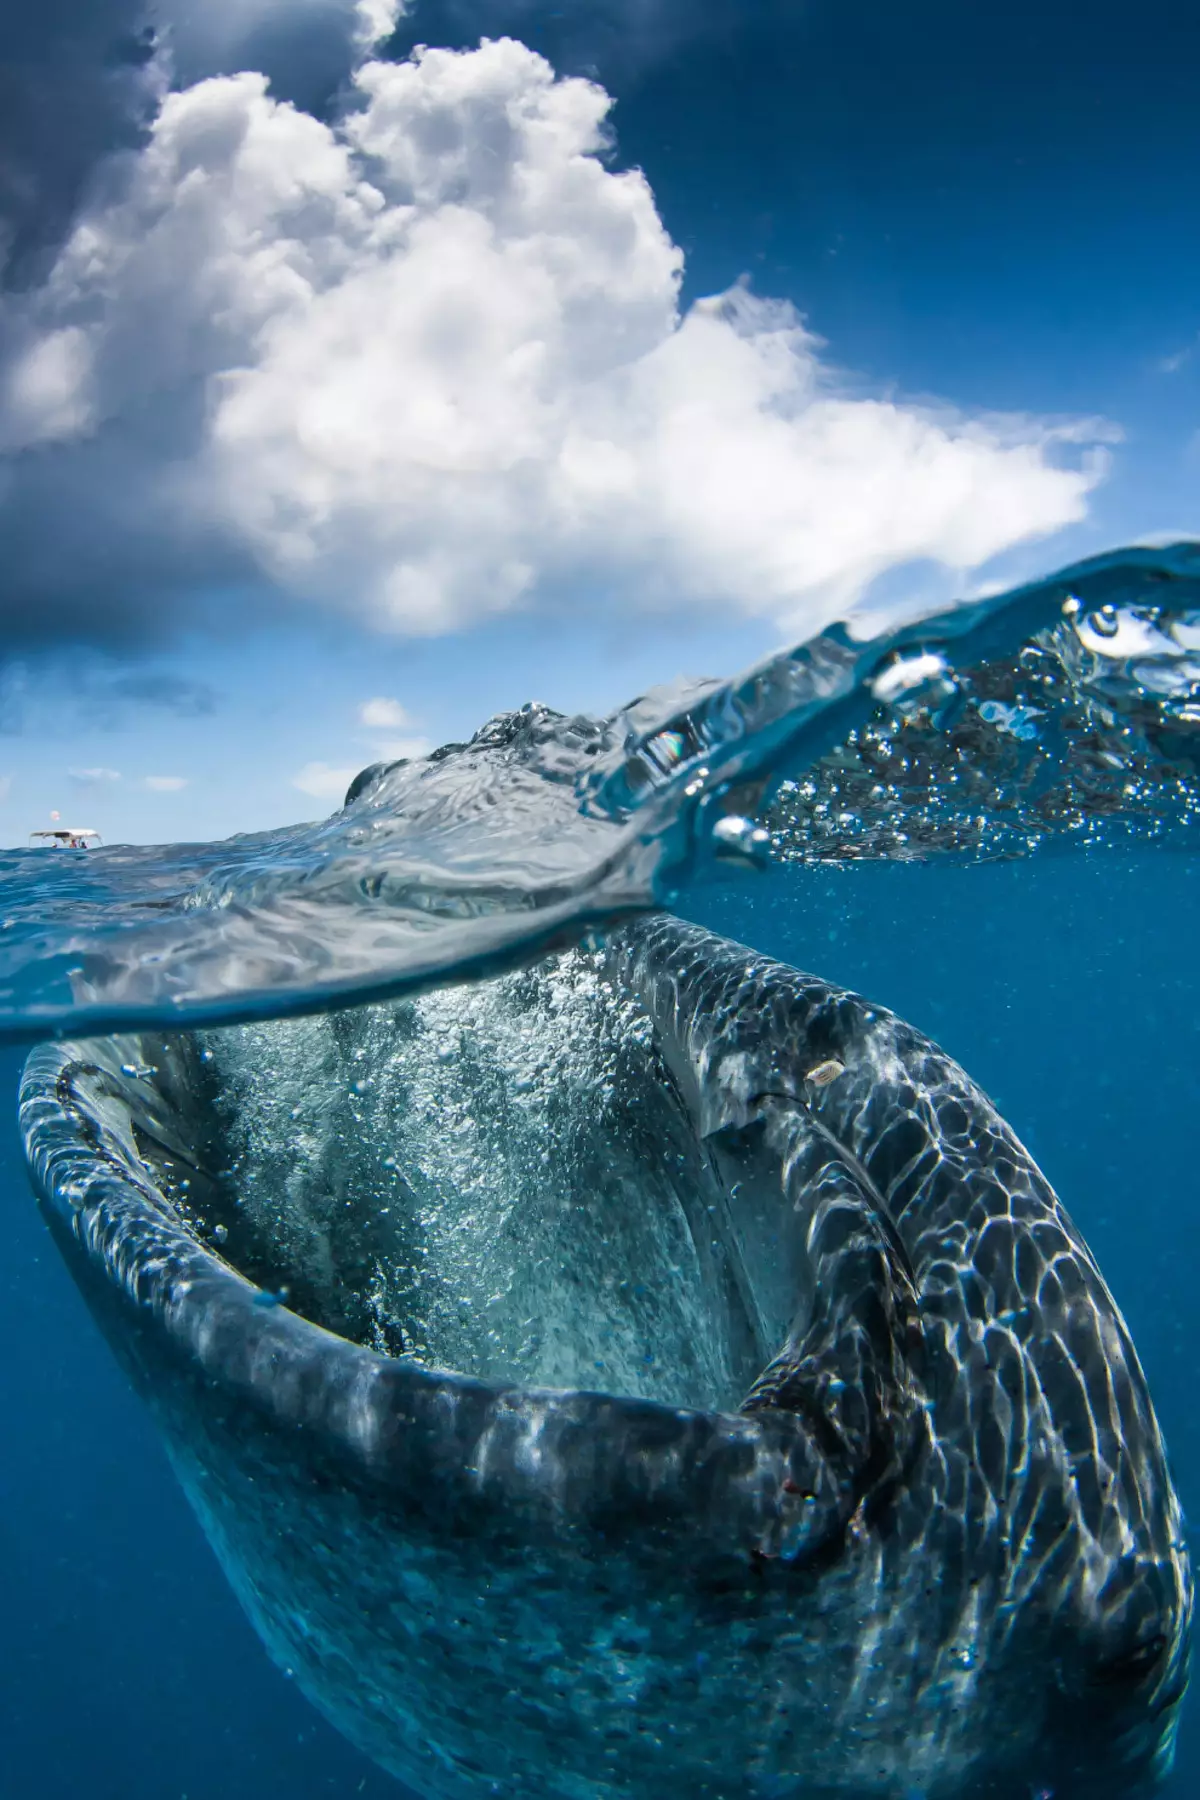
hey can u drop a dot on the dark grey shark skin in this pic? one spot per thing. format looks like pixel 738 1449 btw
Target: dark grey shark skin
pixel 937 1551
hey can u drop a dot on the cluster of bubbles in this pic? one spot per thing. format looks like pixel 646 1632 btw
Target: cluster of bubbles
pixel 1089 734
pixel 481 1178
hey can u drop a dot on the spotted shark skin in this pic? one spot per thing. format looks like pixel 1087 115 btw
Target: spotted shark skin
pixel 937 1550
pixel 1042 1480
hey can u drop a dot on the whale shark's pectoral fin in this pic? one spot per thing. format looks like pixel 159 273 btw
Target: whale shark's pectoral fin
pixel 851 1363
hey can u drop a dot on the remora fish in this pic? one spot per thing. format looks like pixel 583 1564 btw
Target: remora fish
pixel 936 1550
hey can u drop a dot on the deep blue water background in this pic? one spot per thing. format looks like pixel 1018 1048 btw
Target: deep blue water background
pixel 1067 987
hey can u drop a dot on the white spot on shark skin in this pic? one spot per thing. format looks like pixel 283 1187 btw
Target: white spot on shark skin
pixel 514 1433
pixel 528 1452
pixel 728 1089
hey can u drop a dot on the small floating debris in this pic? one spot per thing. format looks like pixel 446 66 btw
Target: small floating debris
pixel 1017 721
pixel 825 1072
pixel 908 673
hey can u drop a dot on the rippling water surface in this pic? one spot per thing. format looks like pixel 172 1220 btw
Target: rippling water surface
pixel 986 821
pixel 1065 714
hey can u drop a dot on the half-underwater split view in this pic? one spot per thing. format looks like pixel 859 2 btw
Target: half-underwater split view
pixel 600 794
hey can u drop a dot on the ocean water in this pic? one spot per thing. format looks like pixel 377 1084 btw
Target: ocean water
pixel 989 829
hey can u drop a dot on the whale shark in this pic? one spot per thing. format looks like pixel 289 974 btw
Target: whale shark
pixel 654 1371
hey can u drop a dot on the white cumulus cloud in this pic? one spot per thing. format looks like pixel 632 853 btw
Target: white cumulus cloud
pixel 164 784
pixel 322 782
pixel 375 20
pixel 94 777
pixel 382 714
pixel 387 715
pixel 427 364
pixel 292 36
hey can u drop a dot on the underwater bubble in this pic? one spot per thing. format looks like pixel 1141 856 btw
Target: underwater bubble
pixel 741 840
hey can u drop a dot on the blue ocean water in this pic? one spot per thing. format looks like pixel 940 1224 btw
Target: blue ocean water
pixel 1063 979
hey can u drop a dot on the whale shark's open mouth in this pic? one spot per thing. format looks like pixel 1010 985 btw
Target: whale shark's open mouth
pixel 500 1180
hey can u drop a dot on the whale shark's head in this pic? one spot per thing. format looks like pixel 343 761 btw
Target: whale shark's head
pixel 586 1400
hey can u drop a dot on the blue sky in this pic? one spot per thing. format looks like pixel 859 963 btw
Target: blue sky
pixel 321 439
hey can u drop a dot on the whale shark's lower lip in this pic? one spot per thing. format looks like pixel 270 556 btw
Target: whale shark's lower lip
pixel 448 1311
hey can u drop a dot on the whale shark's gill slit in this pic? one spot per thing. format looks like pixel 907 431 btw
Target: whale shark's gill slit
pixel 852 1357
pixel 847 1363
pixel 885 1219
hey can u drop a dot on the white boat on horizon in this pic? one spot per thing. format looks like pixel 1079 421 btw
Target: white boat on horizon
pixel 65 837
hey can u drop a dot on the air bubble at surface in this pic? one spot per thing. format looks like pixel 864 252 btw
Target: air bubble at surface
pixel 738 839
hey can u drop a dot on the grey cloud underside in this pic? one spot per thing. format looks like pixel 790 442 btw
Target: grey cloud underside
pixel 73 89
pixel 76 84
pixel 49 684
pixel 151 687
pixel 912 1526
pixel 90 561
